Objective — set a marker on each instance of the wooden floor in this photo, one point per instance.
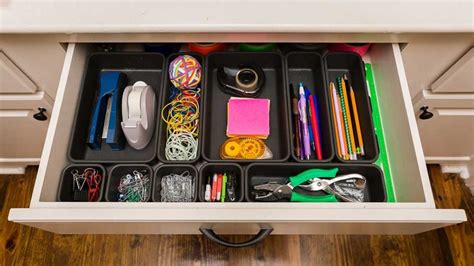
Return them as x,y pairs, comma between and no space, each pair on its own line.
22,245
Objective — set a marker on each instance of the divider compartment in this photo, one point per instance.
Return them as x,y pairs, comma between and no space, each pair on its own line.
166,169
308,68
147,67
215,109
260,173
119,170
65,190
209,169
351,64
165,98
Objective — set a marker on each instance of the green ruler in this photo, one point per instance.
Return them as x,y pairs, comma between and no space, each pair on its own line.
382,161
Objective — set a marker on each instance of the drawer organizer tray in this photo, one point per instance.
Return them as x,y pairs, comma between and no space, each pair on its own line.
147,67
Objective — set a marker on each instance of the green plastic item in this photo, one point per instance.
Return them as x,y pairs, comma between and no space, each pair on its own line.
306,176
256,47
296,197
382,161
223,190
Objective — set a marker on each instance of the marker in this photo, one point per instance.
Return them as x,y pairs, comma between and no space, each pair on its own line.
214,188
304,122
219,187
224,184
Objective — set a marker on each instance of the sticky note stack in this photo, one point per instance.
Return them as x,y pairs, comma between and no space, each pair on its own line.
248,117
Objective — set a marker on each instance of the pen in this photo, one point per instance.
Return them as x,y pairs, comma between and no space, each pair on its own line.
304,123
307,94
294,105
224,184
316,127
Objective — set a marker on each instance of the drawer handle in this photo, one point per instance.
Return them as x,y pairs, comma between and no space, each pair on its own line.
425,114
40,116
209,233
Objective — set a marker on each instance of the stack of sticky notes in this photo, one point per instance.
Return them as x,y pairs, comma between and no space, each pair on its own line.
248,117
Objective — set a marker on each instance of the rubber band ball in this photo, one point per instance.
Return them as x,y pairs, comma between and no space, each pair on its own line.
185,72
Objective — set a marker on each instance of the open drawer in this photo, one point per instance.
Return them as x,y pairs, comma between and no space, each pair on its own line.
413,212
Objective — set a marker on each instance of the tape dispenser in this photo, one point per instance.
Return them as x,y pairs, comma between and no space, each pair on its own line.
138,114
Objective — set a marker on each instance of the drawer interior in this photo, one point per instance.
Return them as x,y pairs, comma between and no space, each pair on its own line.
409,179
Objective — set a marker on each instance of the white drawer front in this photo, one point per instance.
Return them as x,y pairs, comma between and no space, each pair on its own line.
414,211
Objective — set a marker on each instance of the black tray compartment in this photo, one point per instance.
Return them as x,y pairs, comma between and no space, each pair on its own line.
147,67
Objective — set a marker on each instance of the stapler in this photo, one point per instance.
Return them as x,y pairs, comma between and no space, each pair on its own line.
106,112
138,114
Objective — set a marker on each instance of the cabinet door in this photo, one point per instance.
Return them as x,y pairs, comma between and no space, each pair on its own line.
12,78
458,78
449,132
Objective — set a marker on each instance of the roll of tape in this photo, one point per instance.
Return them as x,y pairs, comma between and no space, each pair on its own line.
246,79
206,48
134,110
257,47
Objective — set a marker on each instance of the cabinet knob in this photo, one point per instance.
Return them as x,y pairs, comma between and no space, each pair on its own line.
40,116
425,114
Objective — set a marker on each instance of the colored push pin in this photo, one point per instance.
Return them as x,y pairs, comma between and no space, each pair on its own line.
107,112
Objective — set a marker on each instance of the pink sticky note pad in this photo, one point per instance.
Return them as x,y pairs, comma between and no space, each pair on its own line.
248,117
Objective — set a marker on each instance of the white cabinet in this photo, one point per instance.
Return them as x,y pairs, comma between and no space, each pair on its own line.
413,212
458,78
12,78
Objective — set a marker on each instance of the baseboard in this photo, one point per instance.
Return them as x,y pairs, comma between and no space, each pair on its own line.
16,166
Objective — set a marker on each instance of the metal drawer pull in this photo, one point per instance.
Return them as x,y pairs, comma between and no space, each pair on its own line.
209,233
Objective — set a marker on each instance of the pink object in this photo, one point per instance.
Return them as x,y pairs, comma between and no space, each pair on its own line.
361,49
248,117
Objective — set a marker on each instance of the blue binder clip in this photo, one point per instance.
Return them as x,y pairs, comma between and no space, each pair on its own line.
111,87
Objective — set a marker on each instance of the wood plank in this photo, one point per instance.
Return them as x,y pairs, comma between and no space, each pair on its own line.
449,246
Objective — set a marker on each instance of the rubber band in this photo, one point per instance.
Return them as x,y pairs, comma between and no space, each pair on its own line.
185,72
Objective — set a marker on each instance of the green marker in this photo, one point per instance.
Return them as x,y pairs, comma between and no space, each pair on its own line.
224,182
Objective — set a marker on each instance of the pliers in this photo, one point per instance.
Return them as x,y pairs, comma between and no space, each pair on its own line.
286,191
320,180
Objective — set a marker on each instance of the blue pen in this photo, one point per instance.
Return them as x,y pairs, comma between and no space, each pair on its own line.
311,137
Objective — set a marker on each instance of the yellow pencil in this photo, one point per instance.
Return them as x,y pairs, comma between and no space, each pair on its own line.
357,123
349,120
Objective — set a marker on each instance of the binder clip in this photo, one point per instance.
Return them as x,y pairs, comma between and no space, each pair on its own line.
138,114
106,111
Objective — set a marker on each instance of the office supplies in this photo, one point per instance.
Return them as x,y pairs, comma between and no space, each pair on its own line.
247,148
207,193
296,123
219,187
339,122
231,187
177,187
244,81
273,191
206,48
316,126
360,140
133,186
106,115
214,188
248,117
185,72
334,119
257,47
349,118
304,122
138,114
310,122
90,177
223,191
345,119
181,115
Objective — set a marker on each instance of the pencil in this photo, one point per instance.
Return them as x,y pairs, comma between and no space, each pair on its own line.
349,119
347,140
357,123
333,111
340,126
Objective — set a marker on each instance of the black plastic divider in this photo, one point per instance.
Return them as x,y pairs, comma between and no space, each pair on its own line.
163,133
147,67
65,189
166,169
351,64
308,68
209,169
215,109
119,170
260,173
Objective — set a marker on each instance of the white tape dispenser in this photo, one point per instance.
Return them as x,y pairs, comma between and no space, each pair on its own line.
138,114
